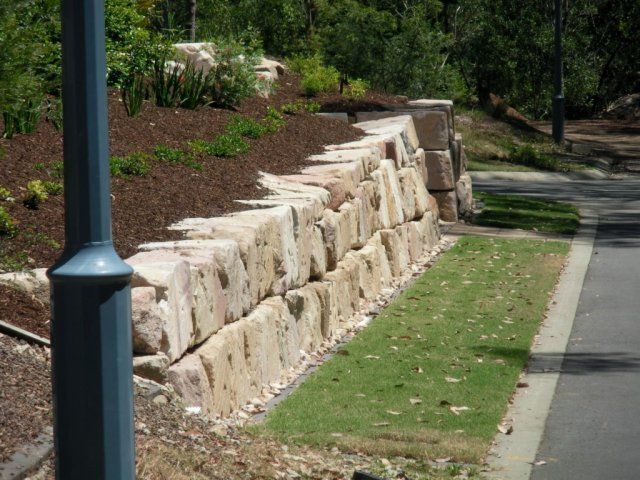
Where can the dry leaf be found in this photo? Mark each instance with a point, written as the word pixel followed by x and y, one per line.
pixel 522 385
pixel 540 462
pixel 381 424
pixel 451 380
pixel 415 401
pixel 506 429
pixel 372 357
pixel 393 412
pixel 457 410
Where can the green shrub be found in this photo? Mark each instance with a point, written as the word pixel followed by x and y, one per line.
pixel 223 146
pixel 54 113
pixel 299 106
pixel 5 194
pixel 35 195
pixel 530 156
pixel 53 188
pixel 245 127
pixel 133 92
pixel 22 116
pixel 166 82
pixel 233 77
pixel 273 120
pixel 135 164
pixel 355 89
pixel 57 169
pixel 7 225
pixel 175 156
pixel 195 85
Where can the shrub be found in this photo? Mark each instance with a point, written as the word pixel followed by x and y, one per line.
pixel 299 106
pixel 53 188
pixel 57 169
pixel 35 195
pixel 135 164
pixel 133 94
pixel 228 145
pixel 5 194
pixel 316 77
pixel 21 116
pixel 175 156
pixel 195 85
pixel 245 127
pixel 273 120
pixel 356 89
pixel 54 113
pixel 233 77
pixel 166 82
pixel 7 225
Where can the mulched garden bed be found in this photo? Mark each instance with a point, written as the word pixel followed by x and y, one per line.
pixel 144 206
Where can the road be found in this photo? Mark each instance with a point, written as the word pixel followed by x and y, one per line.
pixel 593 429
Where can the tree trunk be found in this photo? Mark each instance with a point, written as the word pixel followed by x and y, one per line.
pixel 191 19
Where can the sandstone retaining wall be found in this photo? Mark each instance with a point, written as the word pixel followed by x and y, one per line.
pixel 238 305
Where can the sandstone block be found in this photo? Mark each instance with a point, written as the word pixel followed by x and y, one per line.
pixel 287 331
pixel 447 205
pixel 433 206
pixel 174 295
pixel 390 144
pixel 394 192
pixel 318 254
pixel 327 296
pixel 385 268
pixel 368 157
pixel 420 161
pixel 380 123
pixel 262 348
pixel 408 189
pixel 281 188
pixel 433 123
pixel 464 194
pixel 396 250
pixel 366 196
pixel 305 306
pixel 339 190
pixel 153 367
pixel 336 234
pixel 440 170
pixel 190 381
pixel 147 320
pixel 345 280
pixel 370 274
pixel 32 282
pixel 416 244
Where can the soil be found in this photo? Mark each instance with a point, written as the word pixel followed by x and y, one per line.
pixel 21 310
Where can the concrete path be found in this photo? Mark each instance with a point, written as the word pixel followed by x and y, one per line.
pixel 593 429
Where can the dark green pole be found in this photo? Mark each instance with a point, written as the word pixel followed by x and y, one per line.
pixel 90 291
pixel 558 96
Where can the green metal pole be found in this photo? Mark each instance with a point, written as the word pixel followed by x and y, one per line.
pixel 90 290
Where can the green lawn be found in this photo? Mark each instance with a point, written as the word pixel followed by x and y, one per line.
pixel 431 376
pixel 514 211
pixel 497 166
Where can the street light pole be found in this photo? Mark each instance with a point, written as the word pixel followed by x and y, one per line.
pixel 558 96
pixel 90 289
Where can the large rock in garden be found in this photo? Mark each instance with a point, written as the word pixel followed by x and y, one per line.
pixel 397 250
pixel 305 306
pixel 345 280
pixel 393 192
pixel 230 269
pixel 377 123
pixel 465 195
pixel 440 170
pixel 280 188
pixel 369 270
pixel 286 329
pixel 153 367
pixel 390 144
pixel 339 190
pixel 336 228
pixel 368 157
pixel 171 280
pixel 366 200
pixel 447 205
pixel 385 268
pixel 147 320
pixel 32 282
pixel 327 296
pixel 190 381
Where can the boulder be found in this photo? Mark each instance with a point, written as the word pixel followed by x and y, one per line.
pixel 305 306
pixel 447 205
pixel 153 367
pixel 171 280
pixel 465 195
pixel 351 173
pixel 368 157
pixel 366 200
pixel 390 144
pixel 440 170
pixel 386 277
pixel 419 159
pixel 339 191
pixel 433 206
pixel 229 268
pixel 32 282
pixel 327 296
pixel 433 123
pixel 287 331
pixel 336 234
pixel 190 381
pixel 416 244
pixel 280 188
pixel 380 123
pixel 393 191
pixel 318 254
pixel 147 320
pixel 262 347
pixel 370 275
pixel 345 280
pixel 396 249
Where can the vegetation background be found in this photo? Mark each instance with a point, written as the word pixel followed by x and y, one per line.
pixel 460 49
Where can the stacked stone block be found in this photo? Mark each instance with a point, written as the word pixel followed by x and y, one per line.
pixel 444 161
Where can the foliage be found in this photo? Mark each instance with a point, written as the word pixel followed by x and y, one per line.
pixel 135 164
pixel 300 106
pixel 133 92
pixel 5 194
pixel 355 89
pixel 54 112
pixel 36 194
pixel 52 188
pixel 22 115
pixel 57 168
pixel 528 155
pixel 175 156
pixel 166 82
pixel 7 224
pixel 195 85
pixel 316 77
pixel 228 145
pixel 245 127
pixel 273 120
pixel 233 77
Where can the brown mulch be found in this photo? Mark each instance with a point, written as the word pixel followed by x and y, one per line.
pixel 21 310
pixel 25 394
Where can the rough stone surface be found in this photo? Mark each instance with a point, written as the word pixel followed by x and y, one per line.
pixel 394 192
pixel 368 157
pixel 190 381
pixel 172 282
pixel 33 282
pixel 329 320
pixel 440 170
pixel 147 320
pixel 336 235
pixel 380 123
pixel 153 367
pixel 432 126
pixel 464 194
pixel 305 306
pixel 396 250
pixel 447 205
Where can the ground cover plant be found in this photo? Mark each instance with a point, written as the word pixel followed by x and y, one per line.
pixel 431 375
pixel 515 211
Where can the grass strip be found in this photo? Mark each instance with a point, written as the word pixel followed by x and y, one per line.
pixel 515 211
pixel 432 374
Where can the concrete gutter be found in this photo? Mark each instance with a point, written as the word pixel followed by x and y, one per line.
pixel 513 455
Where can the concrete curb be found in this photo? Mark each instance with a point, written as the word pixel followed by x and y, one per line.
pixel 29 458
pixel 540 176
pixel 513 455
